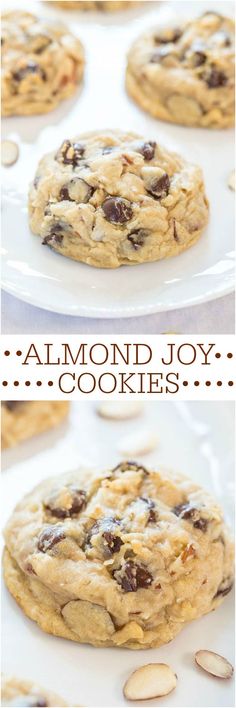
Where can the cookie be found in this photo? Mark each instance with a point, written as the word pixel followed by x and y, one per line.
pixel 103 5
pixel 42 64
pixel 185 74
pixel 23 419
pixel 113 198
pixel 124 558
pixel 15 692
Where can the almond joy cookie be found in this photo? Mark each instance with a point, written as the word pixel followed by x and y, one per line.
pixel 42 63
pixel 124 558
pixel 103 5
pixel 185 74
pixel 21 420
pixel 15 692
pixel 114 198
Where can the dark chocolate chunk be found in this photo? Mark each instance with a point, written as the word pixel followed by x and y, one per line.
pixel 77 190
pixel 107 527
pixel 55 237
pixel 129 466
pixel 137 238
pixel 117 210
pixel 133 576
pixel 76 505
pixel 224 588
pixel 198 58
pixel 49 537
pixel 70 153
pixel 148 150
pixel 11 405
pixel 215 78
pixel 175 232
pixel 152 515
pixel 159 186
pixel 31 68
pixel 112 542
pixel 190 513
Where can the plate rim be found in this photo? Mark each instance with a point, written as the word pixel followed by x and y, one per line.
pixel 151 309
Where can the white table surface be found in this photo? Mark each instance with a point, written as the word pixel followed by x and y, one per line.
pixel 215 317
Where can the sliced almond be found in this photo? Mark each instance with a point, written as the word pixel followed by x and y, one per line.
pixel 141 442
pixel 214 664
pixel 119 411
pixel 9 152
pixel 231 180
pixel 150 681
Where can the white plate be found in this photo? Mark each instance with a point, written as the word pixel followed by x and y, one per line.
pixel 39 276
pixel 201 447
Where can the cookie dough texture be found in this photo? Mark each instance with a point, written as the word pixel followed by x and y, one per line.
pixel 42 64
pixel 114 198
pixel 15 692
pixel 23 419
pixel 103 5
pixel 185 74
pixel 124 558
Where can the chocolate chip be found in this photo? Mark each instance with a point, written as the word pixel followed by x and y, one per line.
pixel 129 466
pixel 198 58
pixel 117 210
pixel 152 516
pixel 133 576
pixel 175 232
pixel 11 405
pixel 172 36
pixel 159 186
pixel 30 68
pixel 28 702
pixel 215 78
pixel 113 543
pixel 64 194
pixel 49 537
pixel 55 237
pixel 77 190
pixel 223 590
pixel 148 150
pixel 107 527
pixel 190 513
pixel 75 506
pixel 137 238
pixel 70 153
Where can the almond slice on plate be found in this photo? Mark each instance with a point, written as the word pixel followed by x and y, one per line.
pixel 141 442
pixel 119 411
pixel 9 152
pixel 150 681
pixel 214 664
pixel 231 180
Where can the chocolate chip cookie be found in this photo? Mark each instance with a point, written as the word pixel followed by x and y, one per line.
pixel 114 198
pixel 15 692
pixel 42 63
pixel 123 558
pixel 103 5
pixel 185 74
pixel 23 419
